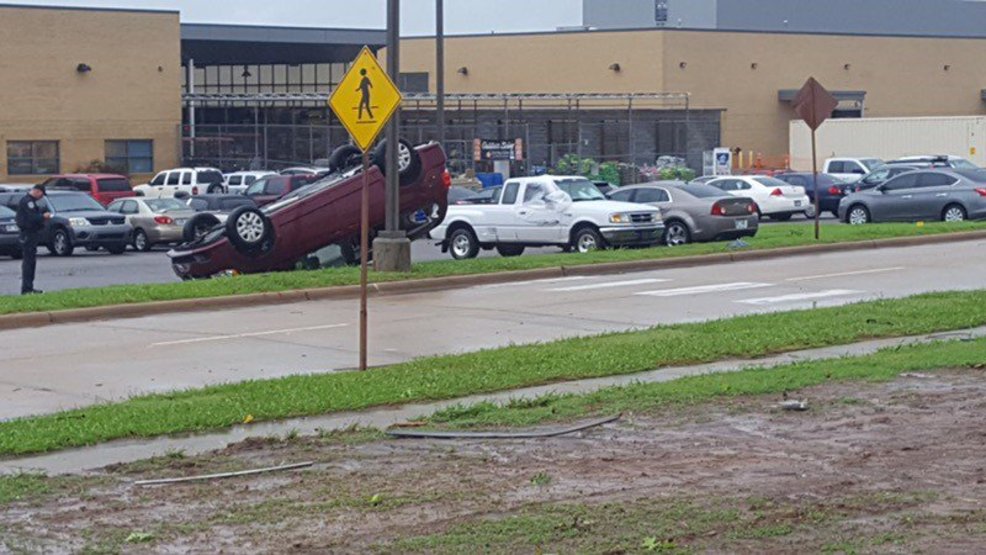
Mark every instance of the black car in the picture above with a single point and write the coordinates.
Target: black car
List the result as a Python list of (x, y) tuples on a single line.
[(832, 188), (78, 221), (9, 234)]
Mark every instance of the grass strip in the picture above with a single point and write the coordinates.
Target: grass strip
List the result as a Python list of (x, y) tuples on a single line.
[(451, 376), (770, 237), (884, 365)]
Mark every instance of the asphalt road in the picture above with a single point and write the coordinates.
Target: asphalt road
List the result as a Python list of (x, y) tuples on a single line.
[(71, 365), (86, 269)]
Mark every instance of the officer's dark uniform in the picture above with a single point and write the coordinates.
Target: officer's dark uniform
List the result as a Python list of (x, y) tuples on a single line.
[(31, 222)]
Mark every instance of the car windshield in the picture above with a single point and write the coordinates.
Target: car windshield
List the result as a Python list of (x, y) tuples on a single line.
[(770, 181), (702, 191), (580, 190), (6, 212), (165, 204), (962, 164), (871, 163), (74, 203)]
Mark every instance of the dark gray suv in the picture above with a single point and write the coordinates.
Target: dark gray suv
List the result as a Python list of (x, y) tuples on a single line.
[(78, 221)]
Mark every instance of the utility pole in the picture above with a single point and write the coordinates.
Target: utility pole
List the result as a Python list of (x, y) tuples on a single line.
[(440, 69), (392, 248)]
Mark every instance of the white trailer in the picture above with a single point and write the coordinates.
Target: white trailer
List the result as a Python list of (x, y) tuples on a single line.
[(890, 138)]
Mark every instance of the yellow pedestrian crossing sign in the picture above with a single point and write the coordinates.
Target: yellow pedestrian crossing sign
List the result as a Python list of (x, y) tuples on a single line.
[(365, 99)]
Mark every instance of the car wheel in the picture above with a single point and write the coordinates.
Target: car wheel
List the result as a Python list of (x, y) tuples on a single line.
[(858, 215), (587, 239), (214, 189), (507, 251), (953, 213), (780, 217), (344, 157), (141, 242), (61, 243), (117, 249), (463, 244), (810, 212), (350, 251), (408, 161), (676, 233), (249, 229), (198, 226)]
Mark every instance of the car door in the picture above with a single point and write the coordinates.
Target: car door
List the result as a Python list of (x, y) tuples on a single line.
[(894, 200), (539, 220), (934, 191), (498, 222)]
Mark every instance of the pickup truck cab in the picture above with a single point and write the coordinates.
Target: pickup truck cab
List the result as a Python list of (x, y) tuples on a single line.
[(850, 170), (548, 210)]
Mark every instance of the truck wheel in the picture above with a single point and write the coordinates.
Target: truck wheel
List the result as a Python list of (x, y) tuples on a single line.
[(61, 243), (587, 239), (463, 244), (408, 161), (215, 189), (249, 229), (199, 225), (344, 157), (510, 250)]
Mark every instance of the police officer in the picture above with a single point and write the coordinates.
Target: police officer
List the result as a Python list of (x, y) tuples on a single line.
[(32, 215)]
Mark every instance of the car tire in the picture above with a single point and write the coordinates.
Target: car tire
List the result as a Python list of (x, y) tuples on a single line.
[(676, 233), (408, 161), (954, 213), (61, 243), (780, 217), (199, 225), (857, 215), (141, 243), (586, 239), (350, 251), (215, 189), (117, 249), (810, 212), (249, 230), (463, 244), (508, 251), (344, 157)]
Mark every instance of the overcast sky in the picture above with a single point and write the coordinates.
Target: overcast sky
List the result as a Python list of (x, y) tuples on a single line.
[(418, 16)]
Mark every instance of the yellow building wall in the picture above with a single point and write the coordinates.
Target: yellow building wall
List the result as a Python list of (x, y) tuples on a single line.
[(132, 92)]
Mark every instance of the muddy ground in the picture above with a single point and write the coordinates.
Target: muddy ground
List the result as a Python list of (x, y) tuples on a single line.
[(894, 467)]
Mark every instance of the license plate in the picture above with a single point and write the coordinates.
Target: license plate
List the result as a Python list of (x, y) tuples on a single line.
[(797, 203), (181, 221), (742, 224), (10, 229)]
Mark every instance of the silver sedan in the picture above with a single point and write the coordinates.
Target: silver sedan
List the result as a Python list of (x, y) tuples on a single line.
[(933, 194)]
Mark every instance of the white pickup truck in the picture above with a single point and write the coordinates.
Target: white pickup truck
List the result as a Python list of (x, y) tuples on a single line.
[(850, 170), (548, 210)]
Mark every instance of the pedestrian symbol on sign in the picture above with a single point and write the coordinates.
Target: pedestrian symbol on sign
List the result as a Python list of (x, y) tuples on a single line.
[(365, 99), (364, 89)]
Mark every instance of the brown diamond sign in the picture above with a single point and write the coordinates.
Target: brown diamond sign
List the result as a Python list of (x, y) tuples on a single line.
[(814, 104)]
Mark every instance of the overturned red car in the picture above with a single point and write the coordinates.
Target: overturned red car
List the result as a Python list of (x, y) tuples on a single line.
[(279, 235)]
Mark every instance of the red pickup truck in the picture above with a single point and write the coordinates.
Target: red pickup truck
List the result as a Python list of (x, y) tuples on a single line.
[(277, 236)]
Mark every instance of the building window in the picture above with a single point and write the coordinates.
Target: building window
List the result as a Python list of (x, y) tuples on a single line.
[(32, 157), (414, 82), (130, 156)]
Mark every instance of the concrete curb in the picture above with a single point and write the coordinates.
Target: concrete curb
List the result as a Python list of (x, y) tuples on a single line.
[(38, 319)]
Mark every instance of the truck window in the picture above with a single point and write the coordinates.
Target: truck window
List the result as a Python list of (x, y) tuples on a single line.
[(510, 191), (836, 167)]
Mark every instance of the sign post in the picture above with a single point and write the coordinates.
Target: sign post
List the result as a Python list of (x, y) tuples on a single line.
[(814, 105), (364, 101)]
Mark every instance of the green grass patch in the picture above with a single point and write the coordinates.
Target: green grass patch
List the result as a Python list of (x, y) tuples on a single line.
[(451, 376), (22, 486), (769, 237)]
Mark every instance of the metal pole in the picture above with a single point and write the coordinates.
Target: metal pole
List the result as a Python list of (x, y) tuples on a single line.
[(191, 107), (364, 248), (814, 179), (440, 69), (392, 206)]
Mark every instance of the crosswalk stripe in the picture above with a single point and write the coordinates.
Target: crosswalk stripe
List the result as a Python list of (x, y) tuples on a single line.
[(536, 282), (607, 285), (797, 297), (700, 289)]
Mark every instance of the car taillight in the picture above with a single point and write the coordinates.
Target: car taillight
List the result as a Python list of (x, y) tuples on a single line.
[(163, 220), (835, 191), (447, 180), (752, 208), (981, 192), (777, 192), (718, 210), (195, 190)]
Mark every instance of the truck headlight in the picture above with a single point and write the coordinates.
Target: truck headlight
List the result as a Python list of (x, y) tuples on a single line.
[(78, 222), (619, 218)]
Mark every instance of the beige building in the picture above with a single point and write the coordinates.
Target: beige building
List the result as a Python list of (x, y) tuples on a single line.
[(750, 76), (78, 85)]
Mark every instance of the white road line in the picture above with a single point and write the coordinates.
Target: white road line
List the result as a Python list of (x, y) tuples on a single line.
[(244, 335), (534, 282), (607, 285), (842, 274), (737, 286), (799, 297)]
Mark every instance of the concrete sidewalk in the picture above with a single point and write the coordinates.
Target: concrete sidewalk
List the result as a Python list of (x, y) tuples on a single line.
[(80, 460)]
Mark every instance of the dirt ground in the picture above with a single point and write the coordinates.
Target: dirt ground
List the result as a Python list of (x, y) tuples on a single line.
[(893, 467)]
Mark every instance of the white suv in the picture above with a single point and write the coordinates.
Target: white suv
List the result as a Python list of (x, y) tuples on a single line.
[(237, 182), (191, 181)]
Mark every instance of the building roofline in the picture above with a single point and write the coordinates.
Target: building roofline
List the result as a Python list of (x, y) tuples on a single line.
[(699, 30), (253, 27), (90, 9)]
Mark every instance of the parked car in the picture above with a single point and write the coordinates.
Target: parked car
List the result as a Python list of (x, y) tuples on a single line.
[(775, 198), (78, 221), (105, 188), (15, 187), (564, 211), (702, 180), (935, 194), (10, 242), (936, 161), (850, 169), (832, 190), (268, 189), (237, 182), (879, 176), (155, 221), (280, 234), (694, 212), (187, 181), (210, 211)]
